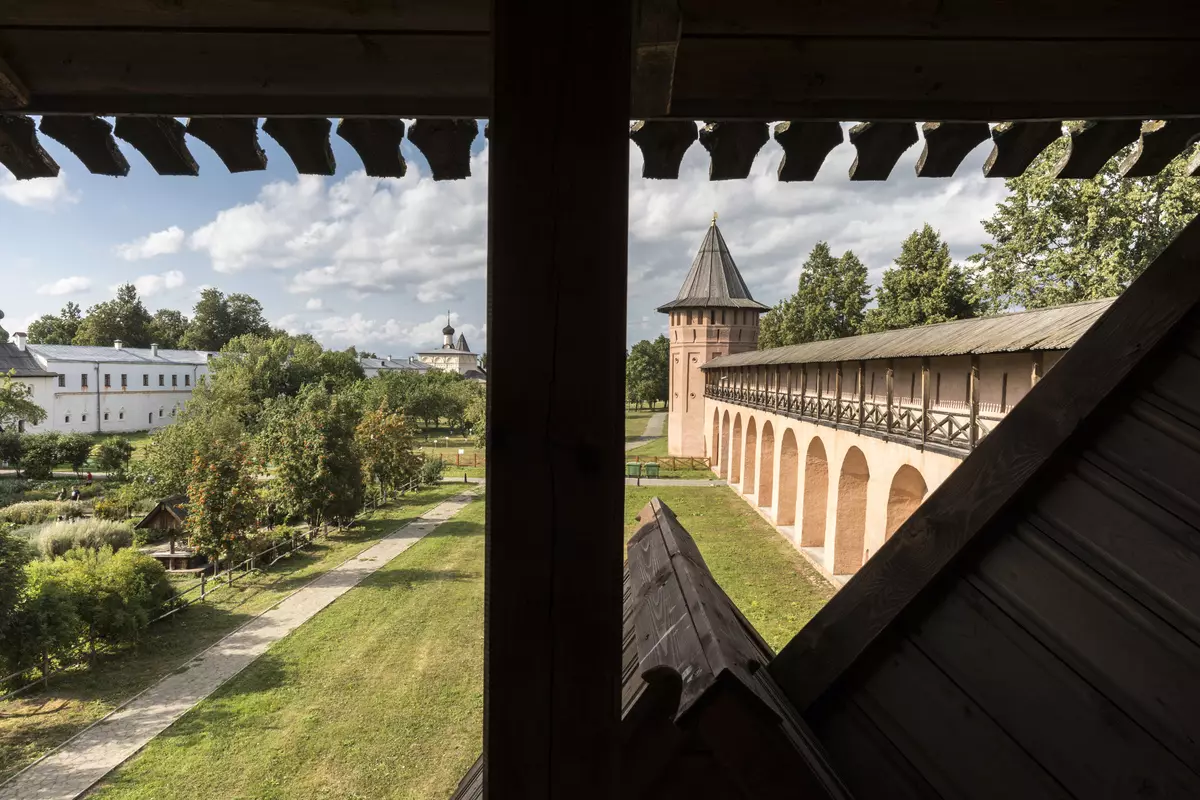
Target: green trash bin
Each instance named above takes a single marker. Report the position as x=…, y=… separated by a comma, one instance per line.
x=652, y=470
x=633, y=469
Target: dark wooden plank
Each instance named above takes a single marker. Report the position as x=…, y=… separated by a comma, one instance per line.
x=20, y=150
x=13, y=94
x=1160, y=142
x=316, y=15
x=1043, y=704
x=657, y=28
x=732, y=147
x=1193, y=166
x=838, y=78
x=1016, y=455
x=979, y=19
x=558, y=200
x=160, y=140
x=805, y=146
x=1133, y=657
x=377, y=142
x=1147, y=551
x=233, y=139
x=1017, y=144
x=944, y=732
x=851, y=739
x=663, y=144
x=879, y=146
x=1093, y=144
x=305, y=140
x=187, y=74
x=446, y=145
x=90, y=140
x=947, y=144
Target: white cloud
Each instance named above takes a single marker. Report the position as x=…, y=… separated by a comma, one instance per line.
x=40, y=193
x=150, y=285
x=153, y=244
x=314, y=304
x=75, y=283
x=359, y=330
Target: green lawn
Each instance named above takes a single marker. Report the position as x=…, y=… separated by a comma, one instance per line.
x=762, y=573
x=635, y=422
x=379, y=695
x=33, y=723
x=658, y=447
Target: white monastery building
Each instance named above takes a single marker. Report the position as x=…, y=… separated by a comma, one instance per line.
x=837, y=442
x=104, y=389
x=454, y=356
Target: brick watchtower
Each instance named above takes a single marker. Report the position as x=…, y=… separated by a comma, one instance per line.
x=714, y=315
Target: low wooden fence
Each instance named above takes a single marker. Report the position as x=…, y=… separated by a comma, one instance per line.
x=673, y=462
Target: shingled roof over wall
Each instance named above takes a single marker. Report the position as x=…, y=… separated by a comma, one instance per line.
x=20, y=363
x=714, y=280
x=1054, y=328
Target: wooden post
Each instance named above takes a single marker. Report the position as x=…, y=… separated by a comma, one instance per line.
x=837, y=393
x=820, y=389
x=890, y=379
x=862, y=391
x=203, y=582
x=924, y=400
x=1035, y=374
x=973, y=398
x=789, y=388
x=803, y=386
x=558, y=197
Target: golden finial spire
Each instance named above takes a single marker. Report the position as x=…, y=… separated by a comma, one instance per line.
x=714, y=219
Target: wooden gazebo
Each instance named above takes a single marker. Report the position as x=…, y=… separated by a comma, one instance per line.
x=559, y=84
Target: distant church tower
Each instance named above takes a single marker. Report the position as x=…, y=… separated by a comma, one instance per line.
x=714, y=315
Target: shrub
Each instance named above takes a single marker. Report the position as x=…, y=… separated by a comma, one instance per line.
x=12, y=490
x=12, y=447
x=74, y=449
x=41, y=454
x=32, y=511
x=57, y=539
x=112, y=455
x=431, y=471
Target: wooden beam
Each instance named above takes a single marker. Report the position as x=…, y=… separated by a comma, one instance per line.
x=1093, y=144
x=558, y=195
x=13, y=94
x=947, y=144
x=663, y=145
x=160, y=140
x=834, y=78
x=732, y=147
x=20, y=150
x=1017, y=144
x=90, y=140
x=1159, y=143
x=377, y=142
x=805, y=146
x=446, y=145
x=656, y=32
x=305, y=140
x=233, y=139
x=879, y=146
x=1017, y=457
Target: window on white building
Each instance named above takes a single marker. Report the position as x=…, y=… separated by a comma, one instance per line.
x=145, y=380
x=106, y=416
x=107, y=381
x=160, y=412
x=84, y=417
x=62, y=381
x=187, y=380
x=83, y=380
x=161, y=380
x=120, y=415
x=67, y=419
x=124, y=381
x=174, y=380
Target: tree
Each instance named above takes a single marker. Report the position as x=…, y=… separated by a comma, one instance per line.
x=385, y=446
x=14, y=555
x=167, y=328
x=74, y=449
x=49, y=329
x=647, y=371
x=113, y=454
x=217, y=319
x=124, y=318
x=16, y=404
x=45, y=621
x=1062, y=241
x=41, y=453
x=222, y=499
x=923, y=287
x=828, y=302
x=12, y=447
x=475, y=416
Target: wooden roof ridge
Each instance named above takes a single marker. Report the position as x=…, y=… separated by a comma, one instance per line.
x=713, y=281
x=1051, y=328
x=1007, y=465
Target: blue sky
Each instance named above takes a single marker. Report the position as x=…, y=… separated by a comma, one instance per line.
x=376, y=263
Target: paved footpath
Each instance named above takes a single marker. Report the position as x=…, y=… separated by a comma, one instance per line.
x=70, y=770
x=654, y=429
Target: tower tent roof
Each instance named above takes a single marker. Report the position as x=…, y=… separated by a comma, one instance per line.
x=714, y=280
x=462, y=343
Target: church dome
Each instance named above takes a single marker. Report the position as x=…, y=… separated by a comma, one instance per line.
x=448, y=331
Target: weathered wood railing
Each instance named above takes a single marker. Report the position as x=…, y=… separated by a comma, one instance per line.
x=959, y=426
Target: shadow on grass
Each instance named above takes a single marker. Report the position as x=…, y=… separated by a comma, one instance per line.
x=408, y=578
x=456, y=528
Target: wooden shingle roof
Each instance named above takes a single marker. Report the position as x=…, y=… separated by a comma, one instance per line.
x=713, y=280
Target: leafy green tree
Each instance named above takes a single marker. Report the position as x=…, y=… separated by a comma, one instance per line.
x=385, y=447
x=41, y=453
x=16, y=403
x=15, y=553
x=829, y=302
x=12, y=447
x=647, y=371
x=45, y=622
x=924, y=286
x=113, y=454
x=74, y=449
x=222, y=499
x=217, y=318
x=124, y=318
x=1063, y=241
x=475, y=416
x=167, y=328
x=339, y=369
x=49, y=329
